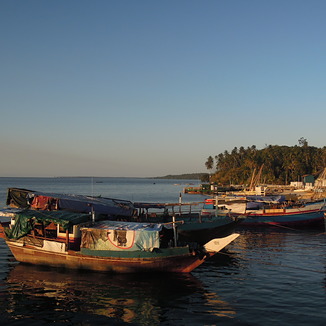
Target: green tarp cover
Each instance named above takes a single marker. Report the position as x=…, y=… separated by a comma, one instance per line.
x=25, y=220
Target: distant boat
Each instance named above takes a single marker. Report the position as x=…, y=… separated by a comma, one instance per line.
x=306, y=215
x=274, y=210
x=72, y=240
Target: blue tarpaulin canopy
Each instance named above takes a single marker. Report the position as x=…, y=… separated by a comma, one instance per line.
x=117, y=236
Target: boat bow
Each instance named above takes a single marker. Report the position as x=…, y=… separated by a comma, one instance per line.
x=218, y=244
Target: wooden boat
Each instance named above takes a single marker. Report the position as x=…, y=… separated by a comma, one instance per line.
x=191, y=225
x=109, y=207
x=265, y=211
x=305, y=215
x=72, y=240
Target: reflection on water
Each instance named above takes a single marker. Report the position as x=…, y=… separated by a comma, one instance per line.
x=51, y=294
x=261, y=279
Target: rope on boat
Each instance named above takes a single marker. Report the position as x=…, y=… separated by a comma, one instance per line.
x=176, y=222
x=282, y=226
x=287, y=227
x=323, y=233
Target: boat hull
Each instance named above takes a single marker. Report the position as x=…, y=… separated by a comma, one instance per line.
x=181, y=263
x=297, y=219
x=207, y=230
x=201, y=228
x=176, y=259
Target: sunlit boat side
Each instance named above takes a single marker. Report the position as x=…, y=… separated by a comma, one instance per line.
x=74, y=241
x=267, y=211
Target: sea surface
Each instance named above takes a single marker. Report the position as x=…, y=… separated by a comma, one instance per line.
x=271, y=276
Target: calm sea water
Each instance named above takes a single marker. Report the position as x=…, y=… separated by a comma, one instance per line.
x=266, y=277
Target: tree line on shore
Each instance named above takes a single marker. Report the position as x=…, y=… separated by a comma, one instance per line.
x=186, y=176
x=280, y=164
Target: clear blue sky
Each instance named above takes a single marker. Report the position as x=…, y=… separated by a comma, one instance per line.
x=149, y=88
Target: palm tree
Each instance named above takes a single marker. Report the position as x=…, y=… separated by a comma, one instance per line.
x=209, y=163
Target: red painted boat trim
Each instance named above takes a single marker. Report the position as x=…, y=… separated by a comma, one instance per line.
x=284, y=214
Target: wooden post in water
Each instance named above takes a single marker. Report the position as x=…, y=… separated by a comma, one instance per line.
x=67, y=239
x=93, y=215
x=216, y=205
x=174, y=231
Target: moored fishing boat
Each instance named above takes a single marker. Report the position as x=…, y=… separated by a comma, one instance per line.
x=304, y=215
x=192, y=226
x=109, y=207
x=274, y=210
x=75, y=241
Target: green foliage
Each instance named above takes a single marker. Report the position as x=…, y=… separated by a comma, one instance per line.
x=281, y=164
x=209, y=163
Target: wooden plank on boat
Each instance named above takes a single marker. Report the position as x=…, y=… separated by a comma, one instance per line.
x=274, y=210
